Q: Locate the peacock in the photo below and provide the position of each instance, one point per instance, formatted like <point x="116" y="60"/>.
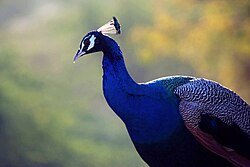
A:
<point x="174" y="121"/>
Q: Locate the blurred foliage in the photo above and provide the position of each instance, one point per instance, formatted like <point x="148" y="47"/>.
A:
<point x="213" y="37"/>
<point x="52" y="113"/>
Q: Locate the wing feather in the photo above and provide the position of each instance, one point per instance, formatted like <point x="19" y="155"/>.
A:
<point x="218" y="118"/>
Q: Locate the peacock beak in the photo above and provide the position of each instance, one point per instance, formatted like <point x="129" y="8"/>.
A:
<point x="78" y="54"/>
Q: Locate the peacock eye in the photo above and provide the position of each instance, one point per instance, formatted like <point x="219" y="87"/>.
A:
<point x="86" y="42"/>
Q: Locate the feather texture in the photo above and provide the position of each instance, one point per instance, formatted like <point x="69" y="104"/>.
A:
<point x="218" y="118"/>
<point x="201" y="96"/>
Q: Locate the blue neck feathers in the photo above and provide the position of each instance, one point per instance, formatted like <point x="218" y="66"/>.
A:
<point x="114" y="68"/>
<point x="136" y="104"/>
<point x="117" y="83"/>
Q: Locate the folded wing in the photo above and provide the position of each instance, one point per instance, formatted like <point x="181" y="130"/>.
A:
<point x="218" y="118"/>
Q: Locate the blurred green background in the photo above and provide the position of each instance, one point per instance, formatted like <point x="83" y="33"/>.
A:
<point x="53" y="113"/>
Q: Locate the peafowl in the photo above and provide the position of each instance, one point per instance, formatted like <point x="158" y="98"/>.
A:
<point x="176" y="121"/>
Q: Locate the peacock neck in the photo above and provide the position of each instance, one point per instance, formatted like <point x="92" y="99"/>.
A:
<point x="115" y="73"/>
<point x="118" y="86"/>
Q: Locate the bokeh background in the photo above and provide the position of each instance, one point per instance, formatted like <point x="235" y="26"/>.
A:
<point x="53" y="113"/>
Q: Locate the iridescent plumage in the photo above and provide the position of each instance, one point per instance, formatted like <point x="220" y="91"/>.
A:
<point x="173" y="121"/>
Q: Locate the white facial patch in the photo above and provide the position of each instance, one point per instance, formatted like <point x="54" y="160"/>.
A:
<point x="92" y="42"/>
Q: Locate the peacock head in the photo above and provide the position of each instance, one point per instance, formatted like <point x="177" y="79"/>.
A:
<point x="92" y="42"/>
